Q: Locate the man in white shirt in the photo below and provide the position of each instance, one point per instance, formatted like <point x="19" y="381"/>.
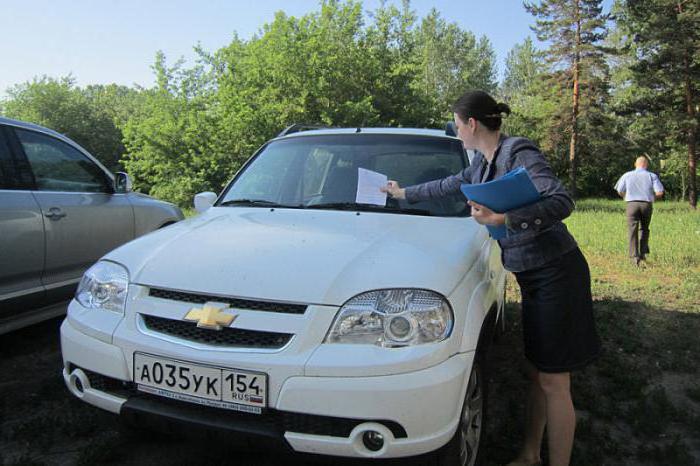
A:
<point x="639" y="188"/>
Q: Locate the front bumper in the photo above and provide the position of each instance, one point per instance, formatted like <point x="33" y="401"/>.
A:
<point x="416" y="412"/>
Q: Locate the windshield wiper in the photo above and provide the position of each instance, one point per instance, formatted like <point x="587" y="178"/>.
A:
<point x="368" y="208"/>
<point x="255" y="203"/>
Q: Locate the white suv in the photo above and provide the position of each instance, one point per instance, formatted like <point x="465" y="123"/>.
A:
<point x="288" y="310"/>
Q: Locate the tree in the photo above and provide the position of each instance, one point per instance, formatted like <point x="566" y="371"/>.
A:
<point x="524" y="67"/>
<point x="533" y="107"/>
<point x="450" y="62"/>
<point x="574" y="29"/>
<point x="176" y="143"/>
<point x="663" y="39"/>
<point x="196" y="127"/>
<point x="60" y="105"/>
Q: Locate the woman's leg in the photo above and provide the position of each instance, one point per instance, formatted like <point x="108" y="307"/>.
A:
<point x="549" y="404"/>
<point x="535" y="417"/>
<point x="561" y="417"/>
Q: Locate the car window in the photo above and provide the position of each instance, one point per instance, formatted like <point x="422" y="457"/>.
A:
<point x="307" y="171"/>
<point x="316" y="171"/>
<point x="262" y="181"/>
<point x="6" y="165"/>
<point x="59" y="167"/>
<point x="14" y="170"/>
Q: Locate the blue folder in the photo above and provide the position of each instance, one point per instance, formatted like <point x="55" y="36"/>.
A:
<point x="511" y="191"/>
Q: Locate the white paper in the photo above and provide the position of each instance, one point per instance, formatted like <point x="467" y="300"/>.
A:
<point x="368" y="184"/>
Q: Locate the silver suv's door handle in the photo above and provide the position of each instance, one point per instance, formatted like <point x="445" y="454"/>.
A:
<point x="55" y="213"/>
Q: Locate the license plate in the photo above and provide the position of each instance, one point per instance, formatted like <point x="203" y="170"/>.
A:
<point x="233" y="389"/>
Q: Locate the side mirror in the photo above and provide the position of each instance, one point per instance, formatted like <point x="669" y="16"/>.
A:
<point x="203" y="201"/>
<point x="122" y="183"/>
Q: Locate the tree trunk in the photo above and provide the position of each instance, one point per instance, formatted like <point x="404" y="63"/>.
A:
<point x="692" y="128"/>
<point x="692" y="131"/>
<point x="573" y="162"/>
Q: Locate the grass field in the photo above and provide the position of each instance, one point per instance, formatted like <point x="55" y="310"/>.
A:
<point x="672" y="275"/>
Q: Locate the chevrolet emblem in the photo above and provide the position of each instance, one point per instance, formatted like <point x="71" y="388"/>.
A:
<point x="210" y="316"/>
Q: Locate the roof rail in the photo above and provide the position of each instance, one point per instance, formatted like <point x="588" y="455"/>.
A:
<point x="297" y="127"/>
<point x="451" y="129"/>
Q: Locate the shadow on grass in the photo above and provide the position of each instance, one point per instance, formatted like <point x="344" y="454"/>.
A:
<point x="636" y="404"/>
<point x="639" y="404"/>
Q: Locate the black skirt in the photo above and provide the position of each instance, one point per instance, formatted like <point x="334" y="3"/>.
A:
<point x="558" y="324"/>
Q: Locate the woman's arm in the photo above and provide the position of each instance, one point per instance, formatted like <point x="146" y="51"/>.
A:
<point x="438" y="188"/>
<point x="556" y="203"/>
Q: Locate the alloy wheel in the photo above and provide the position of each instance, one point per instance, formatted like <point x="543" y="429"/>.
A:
<point x="471" y="421"/>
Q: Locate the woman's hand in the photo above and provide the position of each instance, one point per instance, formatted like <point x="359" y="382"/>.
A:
<point x="393" y="189"/>
<point x="486" y="216"/>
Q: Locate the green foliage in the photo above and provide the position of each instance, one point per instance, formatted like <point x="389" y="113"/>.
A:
<point x="533" y="104"/>
<point x="339" y="67"/>
<point x="85" y="115"/>
<point x="450" y="61"/>
<point x="173" y="140"/>
<point x="659" y="41"/>
<point x="575" y="79"/>
<point x="200" y="124"/>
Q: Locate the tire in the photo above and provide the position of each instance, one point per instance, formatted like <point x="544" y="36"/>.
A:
<point x="463" y="449"/>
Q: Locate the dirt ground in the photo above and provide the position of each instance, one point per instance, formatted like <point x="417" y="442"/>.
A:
<point x="42" y="424"/>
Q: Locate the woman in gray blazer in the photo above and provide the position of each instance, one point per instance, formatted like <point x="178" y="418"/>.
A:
<point x="558" y="326"/>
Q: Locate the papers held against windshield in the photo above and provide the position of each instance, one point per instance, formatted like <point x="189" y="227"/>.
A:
<point x="511" y="191"/>
<point x="368" y="184"/>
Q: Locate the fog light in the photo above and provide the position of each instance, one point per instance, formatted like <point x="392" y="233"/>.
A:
<point x="373" y="441"/>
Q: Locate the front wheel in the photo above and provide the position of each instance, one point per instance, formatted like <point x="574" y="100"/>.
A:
<point x="463" y="448"/>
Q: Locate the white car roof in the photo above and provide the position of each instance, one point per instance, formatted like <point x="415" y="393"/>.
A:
<point x="400" y="131"/>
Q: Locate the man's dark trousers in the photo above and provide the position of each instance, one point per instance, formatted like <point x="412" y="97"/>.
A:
<point x="639" y="215"/>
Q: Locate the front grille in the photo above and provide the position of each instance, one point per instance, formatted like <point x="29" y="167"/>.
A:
<point x="226" y="337"/>
<point x="235" y="303"/>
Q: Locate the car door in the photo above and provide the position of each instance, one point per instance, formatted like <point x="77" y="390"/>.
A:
<point x="21" y="236"/>
<point x="83" y="217"/>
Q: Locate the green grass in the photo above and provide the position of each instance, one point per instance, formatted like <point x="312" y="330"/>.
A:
<point x="600" y="227"/>
<point x="672" y="273"/>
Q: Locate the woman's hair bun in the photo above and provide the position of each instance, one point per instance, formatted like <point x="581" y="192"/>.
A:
<point x="503" y="108"/>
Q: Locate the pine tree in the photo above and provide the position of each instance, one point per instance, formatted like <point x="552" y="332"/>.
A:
<point x="664" y="41"/>
<point x="574" y="28"/>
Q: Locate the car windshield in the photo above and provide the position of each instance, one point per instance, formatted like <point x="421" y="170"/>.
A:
<point x="321" y="172"/>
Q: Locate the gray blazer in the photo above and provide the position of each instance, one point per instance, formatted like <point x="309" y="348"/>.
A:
<point x="535" y="233"/>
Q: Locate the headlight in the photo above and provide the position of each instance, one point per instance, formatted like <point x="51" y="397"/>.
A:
<point x="104" y="286"/>
<point x="391" y="318"/>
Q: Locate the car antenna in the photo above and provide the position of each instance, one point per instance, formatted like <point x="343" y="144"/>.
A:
<point x="358" y="129"/>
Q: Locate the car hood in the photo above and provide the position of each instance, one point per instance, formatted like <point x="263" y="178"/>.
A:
<point x="303" y="256"/>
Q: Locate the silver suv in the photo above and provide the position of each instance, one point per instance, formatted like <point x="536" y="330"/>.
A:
<point x="60" y="211"/>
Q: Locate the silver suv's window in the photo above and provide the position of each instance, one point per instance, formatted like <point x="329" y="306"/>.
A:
<point x="59" y="167"/>
<point x="321" y="171"/>
<point x="5" y="163"/>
